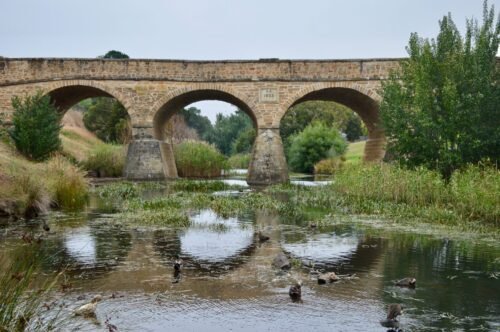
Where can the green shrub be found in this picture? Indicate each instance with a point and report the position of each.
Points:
(239, 160)
(328, 166)
(106, 160)
(316, 142)
(198, 159)
(67, 183)
(35, 126)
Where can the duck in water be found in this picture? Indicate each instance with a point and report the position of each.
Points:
(295, 291)
(393, 311)
(88, 310)
(407, 282)
(177, 264)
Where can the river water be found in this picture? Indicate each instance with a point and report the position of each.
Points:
(228, 282)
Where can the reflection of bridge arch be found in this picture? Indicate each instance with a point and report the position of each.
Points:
(88, 250)
(228, 251)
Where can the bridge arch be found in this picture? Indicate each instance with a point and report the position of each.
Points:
(362, 100)
(66, 94)
(172, 102)
(175, 100)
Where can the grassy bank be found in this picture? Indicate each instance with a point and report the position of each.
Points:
(28, 188)
(354, 154)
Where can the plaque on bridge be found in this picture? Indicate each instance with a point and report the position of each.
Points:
(268, 95)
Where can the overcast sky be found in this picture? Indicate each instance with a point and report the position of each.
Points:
(223, 29)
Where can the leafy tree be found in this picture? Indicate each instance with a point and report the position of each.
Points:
(316, 142)
(228, 128)
(201, 123)
(354, 128)
(244, 142)
(36, 126)
(108, 119)
(440, 110)
(115, 55)
(303, 114)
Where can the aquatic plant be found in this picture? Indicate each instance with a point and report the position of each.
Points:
(119, 190)
(201, 186)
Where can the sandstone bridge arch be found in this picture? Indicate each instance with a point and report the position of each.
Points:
(151, 90)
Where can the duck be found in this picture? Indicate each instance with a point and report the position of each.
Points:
(407, 282)
(295, 291)
(327, 277)
(393, 311)
(88, 310)
(263, 237)
(177, 264)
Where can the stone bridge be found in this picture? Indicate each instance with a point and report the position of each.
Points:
(153, 90)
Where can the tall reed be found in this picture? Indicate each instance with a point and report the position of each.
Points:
(198, 159)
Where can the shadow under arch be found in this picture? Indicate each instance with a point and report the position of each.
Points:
(180, 100)
(362, 103)
(68, 95)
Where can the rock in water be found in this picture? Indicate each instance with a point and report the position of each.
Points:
(281, 262)
(327, 278)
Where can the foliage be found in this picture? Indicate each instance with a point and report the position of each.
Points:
(244, 142)
(297, 118)
(239, 161)
(316, 142)
(114, 55)
(35, 126)
(32, 194)
(354, 129)
(200, 123)
(228, 128)
(198, 159)
(68, 184)
(108, 119)
(440, 110)
(20, 308)
(328, 166)
(119, 190)
(201, 186)
(106, 160)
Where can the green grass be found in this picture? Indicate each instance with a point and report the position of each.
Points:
(196, 159)
(107, 160)
(355, 151)
(239, 161)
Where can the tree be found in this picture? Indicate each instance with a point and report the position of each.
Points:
(201, 123)
(244, 142)
(228, 128)
(108, 119)
(440, 110)
(36, 126)
(114, 55)
(303, 114)
(316, 142)
(353, 128)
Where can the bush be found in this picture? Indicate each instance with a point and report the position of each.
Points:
(316, 142)
(34, 197)
(198, 159)
(35, 126)
(239, 160)
(67, 183)
(106, 160)
(328, 166)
